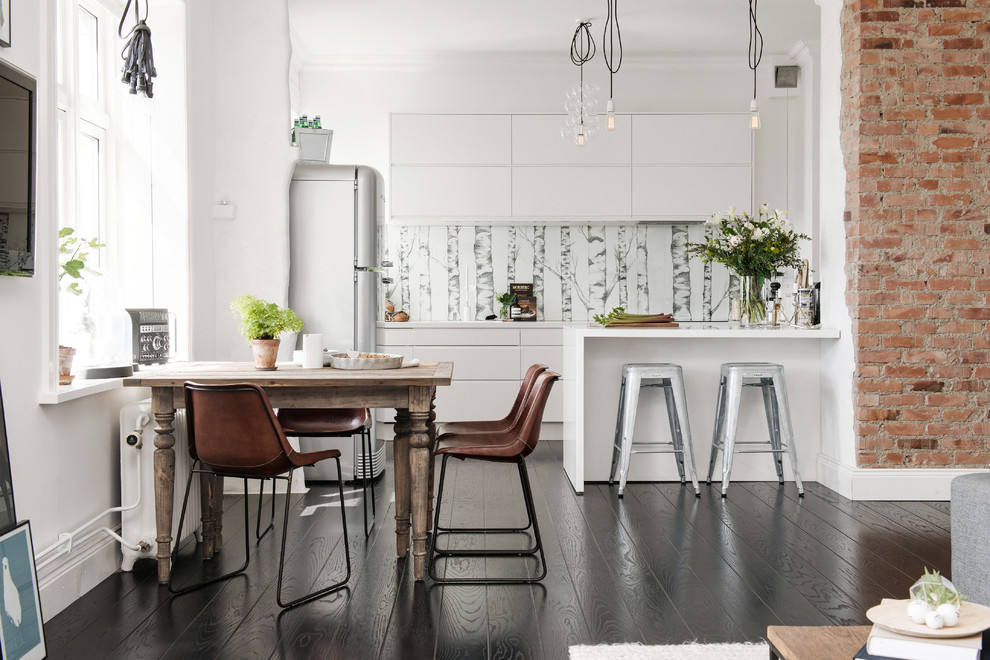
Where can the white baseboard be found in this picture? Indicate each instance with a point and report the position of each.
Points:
(904, 484)
(70, 576)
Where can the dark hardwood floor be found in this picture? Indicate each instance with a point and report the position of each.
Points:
(658, 566)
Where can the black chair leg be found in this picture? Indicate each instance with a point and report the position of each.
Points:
(281, 558)
(178, 535)
(271, 525)
(537, 547)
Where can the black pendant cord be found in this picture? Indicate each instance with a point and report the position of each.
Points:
(138, 56)
(582, 50)
(755, 42)
(610, 35)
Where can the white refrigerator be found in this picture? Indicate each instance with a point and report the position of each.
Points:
(334, 279)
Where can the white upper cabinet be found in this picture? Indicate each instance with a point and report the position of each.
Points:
(451, 140)
(692, 140)
(536, 140)
(518, 168)
(689, 192)
(451, 192)
(575, 192)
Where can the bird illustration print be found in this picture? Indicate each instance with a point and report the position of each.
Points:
(11, 598)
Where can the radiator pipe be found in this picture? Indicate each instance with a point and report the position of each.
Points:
(64, 543)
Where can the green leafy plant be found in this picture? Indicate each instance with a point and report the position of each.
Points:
(932, 589)
(505, 298)
(73, 252)
(261, 319)
(749, 245)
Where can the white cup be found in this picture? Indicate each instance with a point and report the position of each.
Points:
(312, 351)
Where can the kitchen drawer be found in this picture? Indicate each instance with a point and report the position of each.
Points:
(466, 337)
(475, 362)
(470, 400)
(552, 356)
(405, 351)
(394, 336)
(541, 336)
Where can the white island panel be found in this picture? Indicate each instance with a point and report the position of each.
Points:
(593, 360)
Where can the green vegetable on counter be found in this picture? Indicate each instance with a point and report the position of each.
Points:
(619, 316)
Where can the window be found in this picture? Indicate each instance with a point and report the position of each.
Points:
(114, 150)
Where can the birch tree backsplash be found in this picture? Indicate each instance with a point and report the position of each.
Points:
(452, 273)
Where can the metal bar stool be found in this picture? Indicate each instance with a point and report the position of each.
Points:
(769, 377)
(671, 378)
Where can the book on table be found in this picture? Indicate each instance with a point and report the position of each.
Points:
(883, 643)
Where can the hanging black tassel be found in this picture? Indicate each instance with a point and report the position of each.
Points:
(139, 59)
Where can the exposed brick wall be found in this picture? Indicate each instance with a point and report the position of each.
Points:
(916, 144)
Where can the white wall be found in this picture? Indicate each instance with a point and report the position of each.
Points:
(239, 153)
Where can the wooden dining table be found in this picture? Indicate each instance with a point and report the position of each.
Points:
(410, 391)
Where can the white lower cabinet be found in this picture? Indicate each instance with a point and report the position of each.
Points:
(489, 363)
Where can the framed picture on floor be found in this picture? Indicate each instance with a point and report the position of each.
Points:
(22, 633)
(5, 27)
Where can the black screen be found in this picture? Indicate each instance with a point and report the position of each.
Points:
(17, 122)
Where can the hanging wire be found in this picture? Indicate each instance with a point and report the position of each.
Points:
(755, 42)
(582, 44)
(613, 34)
(582, 50)
(139, 60)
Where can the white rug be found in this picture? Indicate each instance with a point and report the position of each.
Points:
(673, 652)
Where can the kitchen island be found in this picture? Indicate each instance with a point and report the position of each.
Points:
(592, 371)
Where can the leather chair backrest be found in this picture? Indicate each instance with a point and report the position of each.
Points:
(524, 390)
(232, 428)
(527, 428)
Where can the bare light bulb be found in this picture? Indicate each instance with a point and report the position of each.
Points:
(754, 115)
(580, 139)
(610, 124)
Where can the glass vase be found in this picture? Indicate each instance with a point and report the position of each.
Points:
(503, 313)
(753, 306)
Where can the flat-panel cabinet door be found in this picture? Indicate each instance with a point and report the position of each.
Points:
(536, 140)
(562, 191)
(692, 139)
(451, 139)
(425, 192)
(472, 400)
(689, 192)
(475, 362)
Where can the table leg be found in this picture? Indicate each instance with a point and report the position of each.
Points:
(217, 492)
(164, 478)
(433, 442)
(420, 456)
(207, 482)
(400, 449)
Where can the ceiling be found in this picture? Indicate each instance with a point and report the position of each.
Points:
(332, 29)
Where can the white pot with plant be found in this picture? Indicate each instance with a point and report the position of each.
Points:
(73, 253)
(262, 323)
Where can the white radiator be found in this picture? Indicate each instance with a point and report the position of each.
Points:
(137, 479)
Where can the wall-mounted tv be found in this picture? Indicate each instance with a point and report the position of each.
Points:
(17, 171)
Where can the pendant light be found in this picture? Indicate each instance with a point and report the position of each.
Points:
(582, 99)
(610, 36)
(755, 55)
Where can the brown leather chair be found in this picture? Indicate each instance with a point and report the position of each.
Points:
(506, 422)
(512, 445)
(233, 432)
(337, 423)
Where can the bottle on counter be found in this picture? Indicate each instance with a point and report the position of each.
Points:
(316, 122)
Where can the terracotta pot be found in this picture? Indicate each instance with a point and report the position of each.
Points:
(265, 353)
(65, 355)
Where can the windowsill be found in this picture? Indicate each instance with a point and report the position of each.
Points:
(78, 389)
(82, 388)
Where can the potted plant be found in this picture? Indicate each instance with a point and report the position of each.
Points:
(261, 324)
(73, 252)
(505, 300)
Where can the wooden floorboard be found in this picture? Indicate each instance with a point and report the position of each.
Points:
(656, 566)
